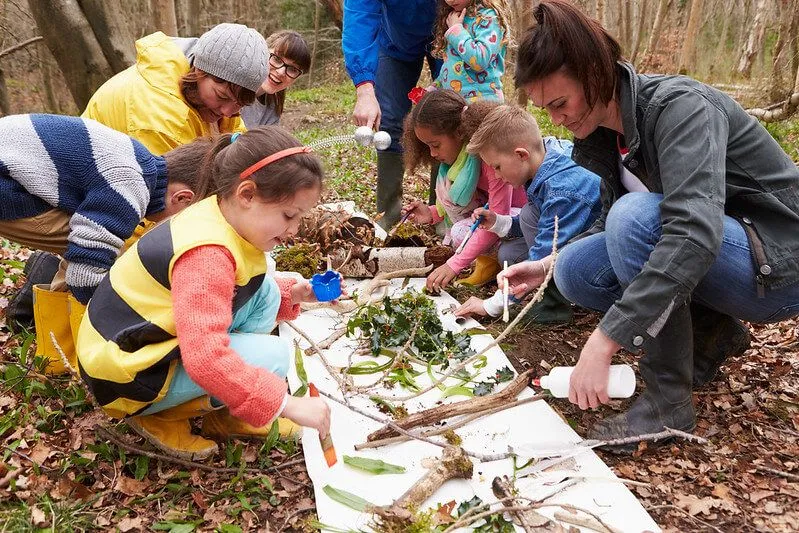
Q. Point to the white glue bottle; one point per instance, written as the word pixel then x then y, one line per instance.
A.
pixel 621 381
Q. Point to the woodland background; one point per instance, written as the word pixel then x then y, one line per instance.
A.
pixel 65 467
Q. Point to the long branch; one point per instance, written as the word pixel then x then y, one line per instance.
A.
pixel 20 46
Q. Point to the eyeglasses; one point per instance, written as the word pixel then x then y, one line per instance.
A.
pixel 277 62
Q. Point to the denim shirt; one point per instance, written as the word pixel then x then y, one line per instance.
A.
pixel 564 189
pixel 402 29
pixel 709 158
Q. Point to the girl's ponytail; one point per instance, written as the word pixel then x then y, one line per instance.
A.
pixel 192 164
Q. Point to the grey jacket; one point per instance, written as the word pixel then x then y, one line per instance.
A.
pixel 699 148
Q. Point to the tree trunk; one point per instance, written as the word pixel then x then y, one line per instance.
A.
pixel 109 26
pixel 657 27
pixel 46 65
pixel 688 56
pixel 779 58
pixel 643 6
pixel 626 30
pixel 164 16
pixel 4 107
pixel 335 11
pixel 755 40
pixel 523 19
pixel 80 57
pixel 316 20
pixel 601 9
pixel 193 11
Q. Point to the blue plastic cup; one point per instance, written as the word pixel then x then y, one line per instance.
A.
pixel 326 286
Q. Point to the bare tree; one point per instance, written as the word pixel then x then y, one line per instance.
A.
pixel 639 29
pixel 754 41
pixel 164 16
pixel 657 26
pixel 787 10
pixel 688 56
pixel 193 12
pixel 4 105
pixel 335 11
pixel 601 8
pixel 86 58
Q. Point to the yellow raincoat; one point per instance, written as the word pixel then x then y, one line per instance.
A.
pixel 145 102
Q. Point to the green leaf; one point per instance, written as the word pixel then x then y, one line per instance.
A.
pixel 271 438
pixel 142 467
pixel 373 466
pixel 348 499
pixel 368 367
pixel 457 390
pixel 483 388
pixel 480 362
pixel 302 375
pixel 441 386
pixel 476 331
pixel 228 528
pixel 468 504
pixel 504 374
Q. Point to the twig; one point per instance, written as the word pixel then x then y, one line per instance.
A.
pixel 398 358
pixel 28 458
pixel 449 427
pixel 686 513
pixel 11 474
pixel 316 349
pixel 470 519
pixel 110 435
pixel 20 46
pixel 328 342
pixel 667 433
pixel 582 521
pixel 786 475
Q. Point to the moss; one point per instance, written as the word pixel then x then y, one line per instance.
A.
pixel 301 258
pixel 452 438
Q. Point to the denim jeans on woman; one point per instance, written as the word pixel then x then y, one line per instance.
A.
pixel 594 270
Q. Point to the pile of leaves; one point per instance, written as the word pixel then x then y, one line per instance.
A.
pixel 391 324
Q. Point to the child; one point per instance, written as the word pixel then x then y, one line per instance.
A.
pixel 472 36
pixel 510 142
pixel 179 327
pixel 74 187
pixel 437 129
pixel 289 58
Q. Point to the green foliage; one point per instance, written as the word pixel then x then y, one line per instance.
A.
pixel 302 375
pixel 61 516
pixel 353 501
pixel 502 375
pixel 373 466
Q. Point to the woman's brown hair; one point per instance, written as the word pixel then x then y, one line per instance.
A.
pixel 564 37
pixel 289 45
pixel 445 113
pixel 188 88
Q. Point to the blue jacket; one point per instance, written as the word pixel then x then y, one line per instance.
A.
pixel 564 189
pixel 402 29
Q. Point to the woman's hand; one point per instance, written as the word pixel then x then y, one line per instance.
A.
pixel 472 306
pixel 523 277
pixel 455 18
pixel 489 218
pixel 440 278
pixel 588 386
pixel 309 412
pixel 419 212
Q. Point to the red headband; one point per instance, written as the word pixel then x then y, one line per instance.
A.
pixel 274 157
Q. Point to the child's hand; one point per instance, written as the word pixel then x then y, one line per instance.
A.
pixel 309 412
pixel 472 306
pixel 419 212
pixel 440 278
pixel 523 277
pixel 302 292
pixel 489 218
pixel 455 18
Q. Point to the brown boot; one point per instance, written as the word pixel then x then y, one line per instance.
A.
pixel 170 430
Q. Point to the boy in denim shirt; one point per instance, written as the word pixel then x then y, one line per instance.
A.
pixel 510 142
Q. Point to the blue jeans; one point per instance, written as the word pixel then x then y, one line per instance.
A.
pixel 249 337
pixel 593 271
pixel 394 79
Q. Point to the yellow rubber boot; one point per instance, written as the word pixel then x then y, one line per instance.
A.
pixel 221 425
pixel 51 314
pixel 486 269
pixel 170 430
pixel 76 312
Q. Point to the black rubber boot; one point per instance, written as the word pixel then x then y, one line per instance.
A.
pixel 40 269
pixel 666 368
pixel 716 337
pixel 553 308
pixel 390 171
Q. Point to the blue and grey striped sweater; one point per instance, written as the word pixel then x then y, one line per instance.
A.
pixel 107 181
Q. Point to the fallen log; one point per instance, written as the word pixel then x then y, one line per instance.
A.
pixel 474 405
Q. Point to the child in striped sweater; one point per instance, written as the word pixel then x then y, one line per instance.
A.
pixel 179 327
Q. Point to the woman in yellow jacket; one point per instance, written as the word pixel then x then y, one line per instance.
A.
pixel 184 88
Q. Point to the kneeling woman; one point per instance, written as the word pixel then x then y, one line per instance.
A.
pixel 700 225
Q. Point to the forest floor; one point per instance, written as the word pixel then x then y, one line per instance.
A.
pixel 64 466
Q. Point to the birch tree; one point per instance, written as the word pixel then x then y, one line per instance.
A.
pixel 688 55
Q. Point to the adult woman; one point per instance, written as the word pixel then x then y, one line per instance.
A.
pixel 700 219
pixel 289 58
pixel 184 88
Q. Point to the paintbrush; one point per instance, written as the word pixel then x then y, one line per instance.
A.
pixel 505 313
pixel 472 229
pixel 397 225
pixel 327 443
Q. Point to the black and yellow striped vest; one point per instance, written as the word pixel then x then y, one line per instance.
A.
pixel 127 348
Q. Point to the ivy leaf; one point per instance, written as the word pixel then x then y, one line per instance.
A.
pixel 483 388
pixel 348 499
pixel 504 374
pixel 468 504
pixel 373 466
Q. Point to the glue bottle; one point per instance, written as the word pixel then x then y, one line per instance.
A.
pixel 621 381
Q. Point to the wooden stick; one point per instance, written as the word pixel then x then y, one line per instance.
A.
pixel 505 312
pixel 473 405
pixel 786 475
pixel 503 488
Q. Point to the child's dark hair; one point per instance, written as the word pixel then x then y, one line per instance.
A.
pixel 443 10
pixel 444 112
pixel 278 181
pixel 289 45
pixel 190 91
pixel 564 37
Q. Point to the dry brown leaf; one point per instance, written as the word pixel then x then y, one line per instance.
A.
pixel 38 517
pixel 40 452
pixel 722 491
pixel 130 487
pixel 773 508
pixel 757 495
pixel 66 488
pixel 130 524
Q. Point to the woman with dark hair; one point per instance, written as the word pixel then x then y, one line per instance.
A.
pixel 699 228
pixel 289 58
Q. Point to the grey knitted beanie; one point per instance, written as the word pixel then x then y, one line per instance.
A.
pixel 234 53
